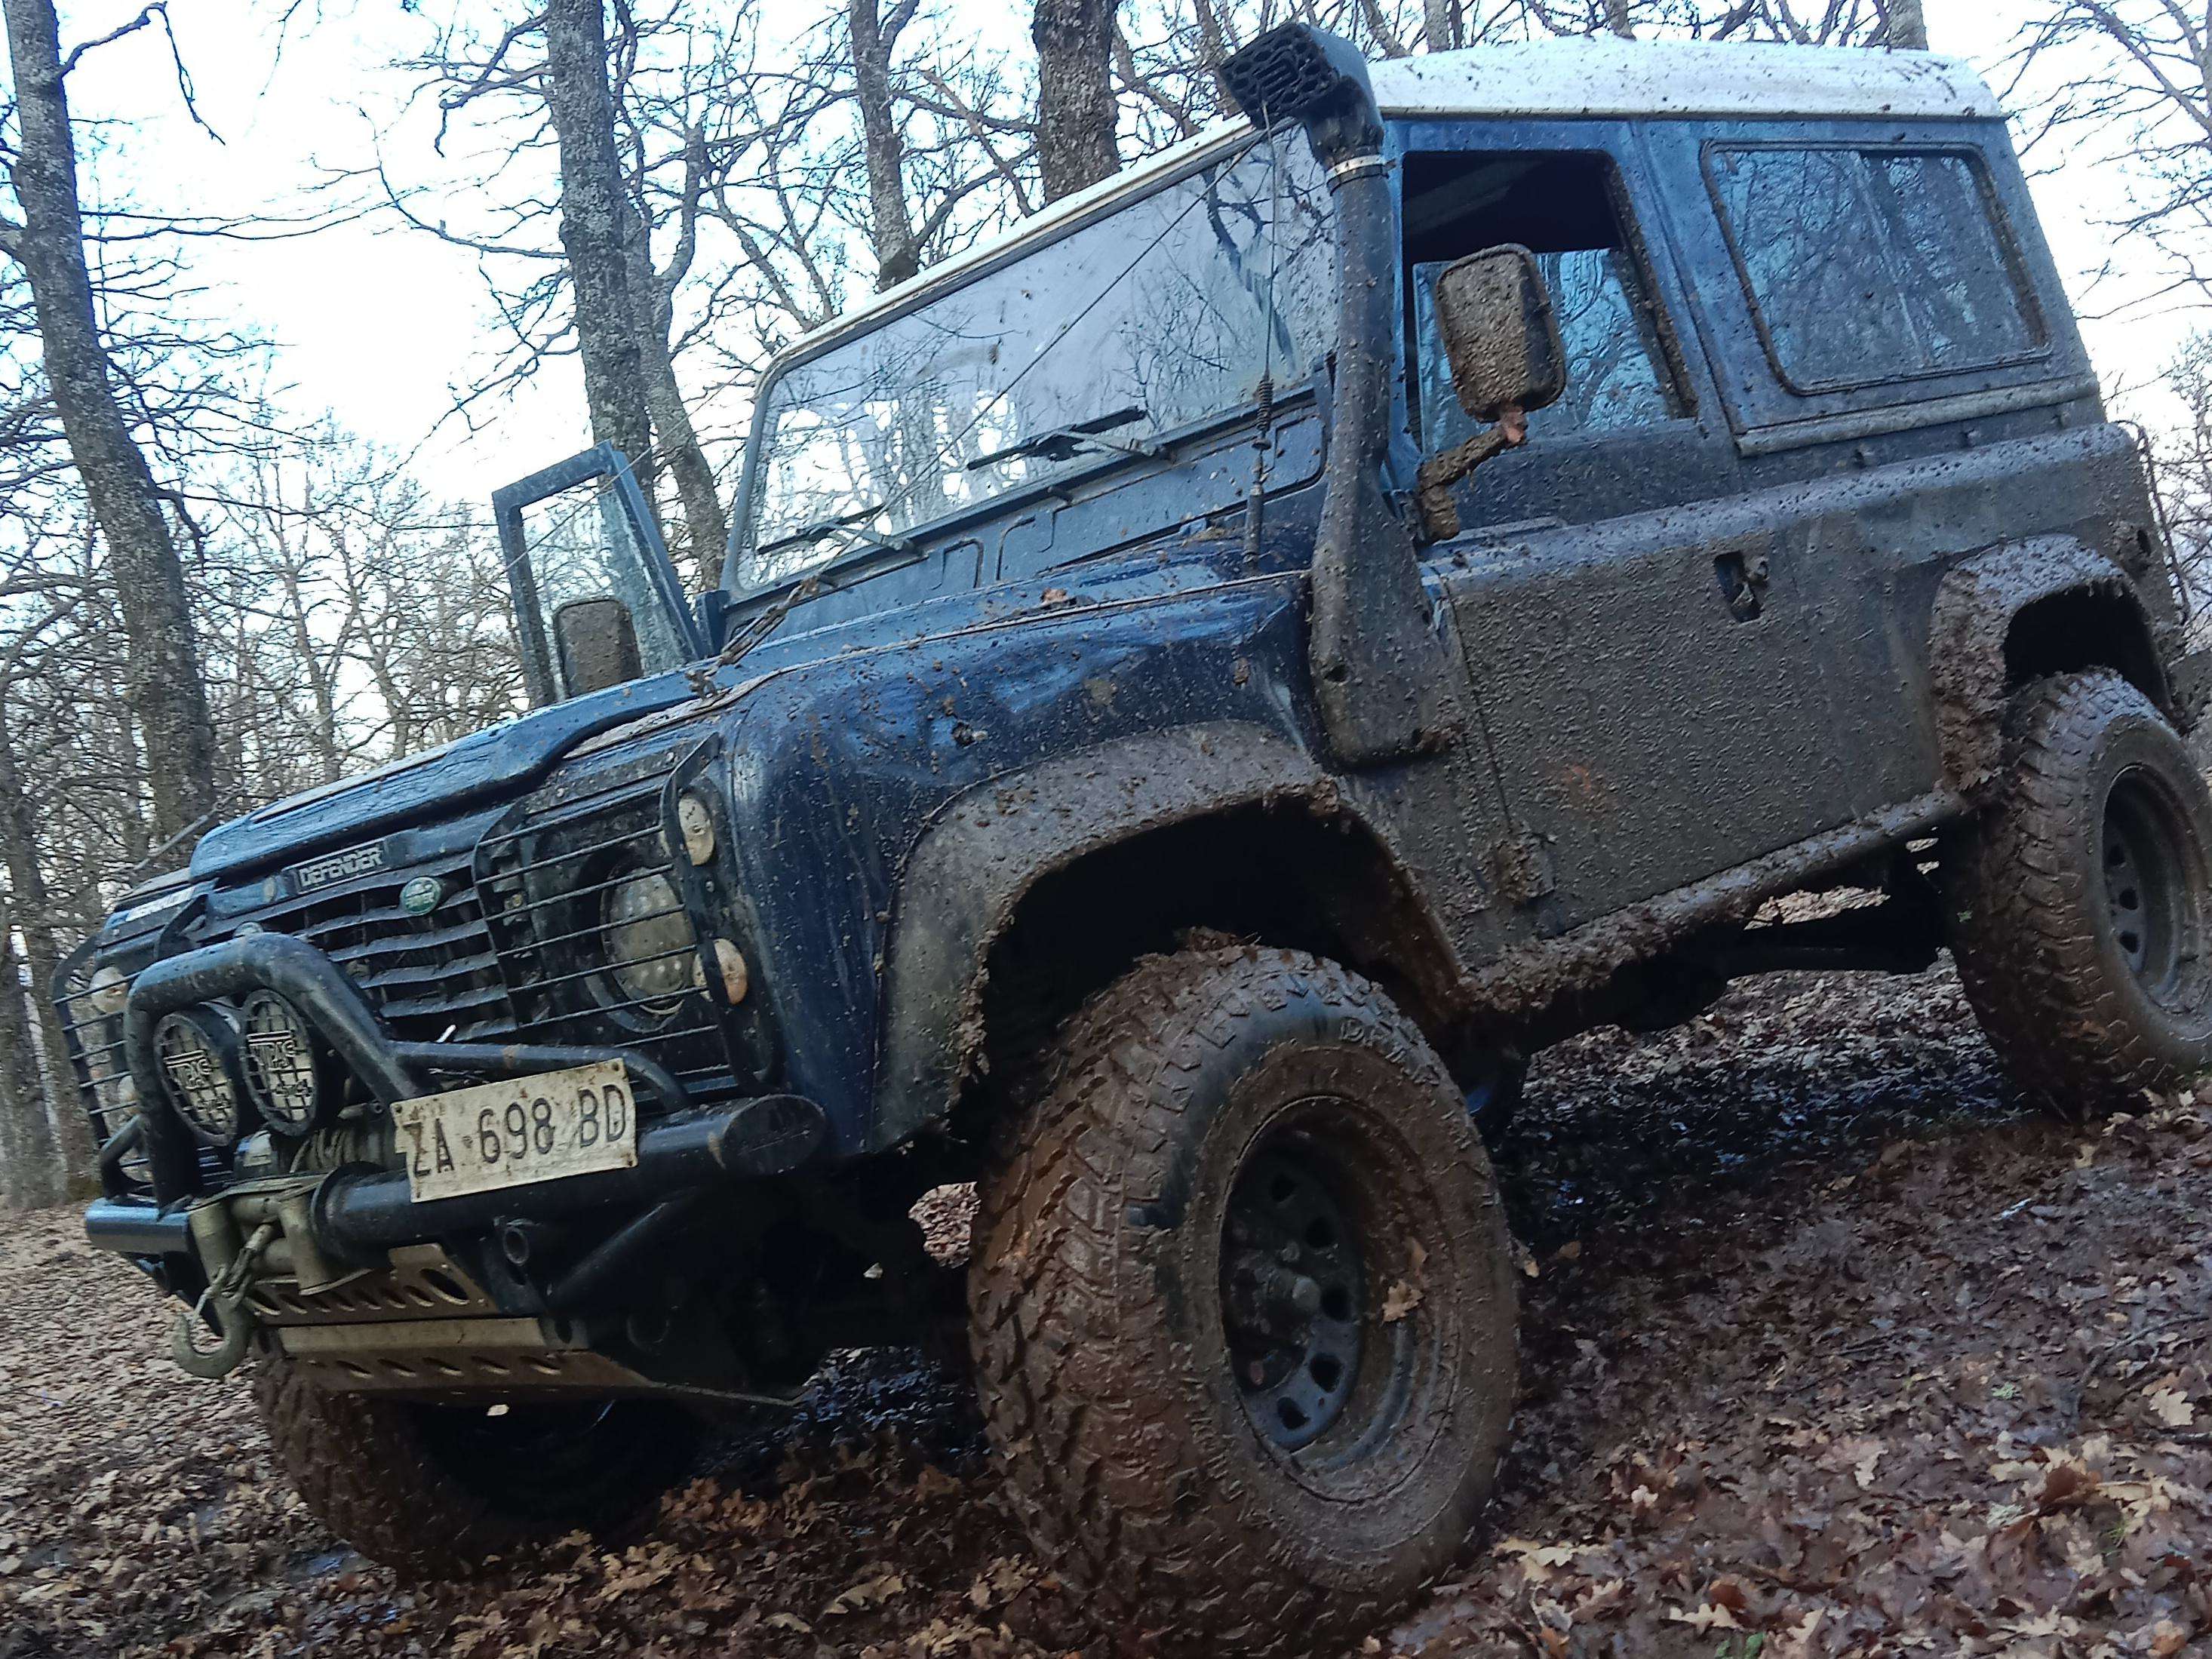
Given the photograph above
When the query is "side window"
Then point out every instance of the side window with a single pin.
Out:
(1567, 209)
(1865, 266)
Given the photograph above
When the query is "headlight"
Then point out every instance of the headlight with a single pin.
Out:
(651, 955)
(280, 1063)
(191, 1046)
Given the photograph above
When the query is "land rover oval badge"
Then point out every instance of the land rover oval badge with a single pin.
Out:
(421, 896)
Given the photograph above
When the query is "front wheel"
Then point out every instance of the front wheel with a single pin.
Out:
(441, 1492)
(2081, 900)
(1243, 1305)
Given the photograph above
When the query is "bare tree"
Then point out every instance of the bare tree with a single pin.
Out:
(595, 233)
(32, 922)
(2129, 82)
(31, 1171)
(166, 693)
(644, 121)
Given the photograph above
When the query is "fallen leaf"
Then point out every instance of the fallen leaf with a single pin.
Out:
(2171, 1407)
(868, 1593)
(1400, 1300)
(1707, 1617)
(933, 1482)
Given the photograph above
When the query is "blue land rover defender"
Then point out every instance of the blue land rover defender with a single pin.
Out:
(1201, 686)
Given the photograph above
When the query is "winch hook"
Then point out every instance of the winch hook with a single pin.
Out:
(223, 1302)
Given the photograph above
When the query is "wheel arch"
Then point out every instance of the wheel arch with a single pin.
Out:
(2015, 613)
(1025, 893)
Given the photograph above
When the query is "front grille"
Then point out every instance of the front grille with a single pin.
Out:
(433, 977)
(513, 949)
(92, 1024)
(89, 996)
(545, 879)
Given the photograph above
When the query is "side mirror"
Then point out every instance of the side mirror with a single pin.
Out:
(1501, 335)
(598, 642)
(1502, 339)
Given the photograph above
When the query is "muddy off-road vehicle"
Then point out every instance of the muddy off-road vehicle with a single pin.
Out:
(1201, 687)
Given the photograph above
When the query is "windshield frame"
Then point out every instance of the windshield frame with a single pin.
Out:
(507, 504)
(1075, 213)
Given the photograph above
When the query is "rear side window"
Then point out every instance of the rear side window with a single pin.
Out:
(1871, 265)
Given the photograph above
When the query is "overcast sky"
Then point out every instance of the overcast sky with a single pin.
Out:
(376, 323)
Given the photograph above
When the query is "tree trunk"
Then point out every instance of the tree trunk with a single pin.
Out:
(883, 148)
(1620, 19)
(1908, 25)
(30, 1167)
(1440, 22)
(704, 523)
(593, 212)
(330, 758)
(33, 920)
(1074, 43)
(166, 693)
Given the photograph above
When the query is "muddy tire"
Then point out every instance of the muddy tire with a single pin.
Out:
(2080, 901)
(441, 1492)
(1243, 1304)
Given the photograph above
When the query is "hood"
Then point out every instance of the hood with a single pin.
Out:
(476, 770)
(503, 761)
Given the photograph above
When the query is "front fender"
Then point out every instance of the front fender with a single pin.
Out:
(984, 848)
(1976, 607)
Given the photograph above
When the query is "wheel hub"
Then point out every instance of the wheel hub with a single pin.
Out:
(1293, 1293)
(2149, 897)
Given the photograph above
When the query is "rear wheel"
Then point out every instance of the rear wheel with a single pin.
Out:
(2081, 900)
(1243, 1304)
(442, 1491)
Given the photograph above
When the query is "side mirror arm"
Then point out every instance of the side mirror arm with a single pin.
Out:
(1432, 485)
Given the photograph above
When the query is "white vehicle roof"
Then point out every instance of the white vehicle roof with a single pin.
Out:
(1661, 78)
(1645, 79)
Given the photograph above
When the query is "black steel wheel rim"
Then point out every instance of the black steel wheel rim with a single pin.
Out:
(2155, 876)
(1293, 1292)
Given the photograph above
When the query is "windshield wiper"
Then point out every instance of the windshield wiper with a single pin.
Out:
(845, 523)
(1065, 443)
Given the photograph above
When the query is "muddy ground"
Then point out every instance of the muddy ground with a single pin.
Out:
(1826, 1349)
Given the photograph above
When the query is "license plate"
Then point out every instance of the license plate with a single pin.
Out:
(491, 1135)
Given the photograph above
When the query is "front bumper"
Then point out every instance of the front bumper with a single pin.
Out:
(353, 1218)
(357, 1215)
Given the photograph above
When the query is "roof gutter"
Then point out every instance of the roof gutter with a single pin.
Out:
(1379, 668)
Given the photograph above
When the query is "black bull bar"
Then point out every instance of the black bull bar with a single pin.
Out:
(359, 1212)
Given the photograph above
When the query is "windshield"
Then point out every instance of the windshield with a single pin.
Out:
(580, 550)
(1159, 316)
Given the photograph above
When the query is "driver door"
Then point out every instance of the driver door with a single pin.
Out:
(597, 600)
(1651, 678)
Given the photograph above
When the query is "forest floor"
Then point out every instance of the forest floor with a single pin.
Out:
(1827, 1349)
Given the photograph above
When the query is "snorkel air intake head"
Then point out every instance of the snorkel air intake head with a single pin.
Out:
(1297, 72)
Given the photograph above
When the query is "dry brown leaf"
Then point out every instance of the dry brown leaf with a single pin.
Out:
(2171, 1407)
(1708, 1616)
(933, 1482)
(868, 1593)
